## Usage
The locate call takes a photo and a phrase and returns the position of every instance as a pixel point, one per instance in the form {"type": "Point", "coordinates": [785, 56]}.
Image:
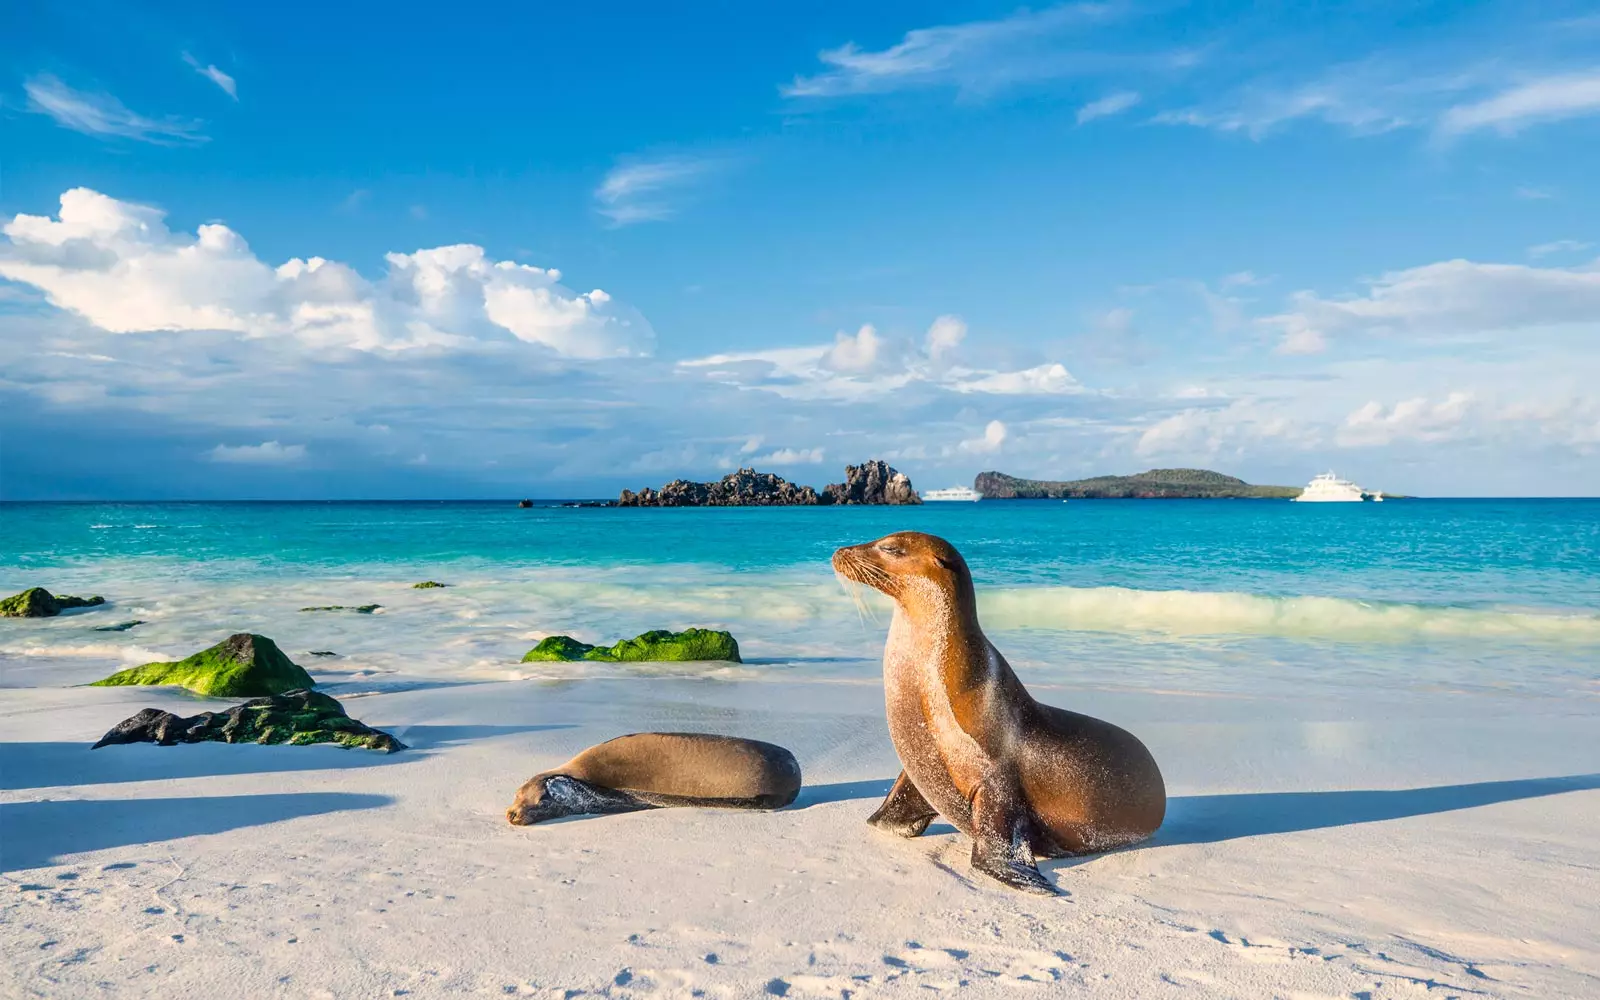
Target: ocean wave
{"type": "Point", "coordinates": [1218, 613]}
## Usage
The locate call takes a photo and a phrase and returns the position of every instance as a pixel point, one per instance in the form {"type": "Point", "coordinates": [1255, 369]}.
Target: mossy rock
{"type": "Point", "coordinates": [658, 645]}
{"type": "Point", "coordinates": [298, 718]}
{"type": "Point", "coordinates": [360, 609]}
{"type": "Point", "coordinates": [242, 665]}
{"type": "Point", "coordinates": [428, 585]}
{"type": "Point", "coordinates": [37, 602]}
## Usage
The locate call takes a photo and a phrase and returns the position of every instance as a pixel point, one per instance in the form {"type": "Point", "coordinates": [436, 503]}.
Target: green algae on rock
{"type": "Point", "coordinates": [360, 609]}
{"type": "Point", "coordinates": [428, 585]}
{"type": "Point", "coordinates": [653, 646]}
{"type": "Point", "coordinates": [37, 602]}
{"type": "Point", "coordinates": [243, 665]}
{"type": "Point", "coordinates": [298, 718]}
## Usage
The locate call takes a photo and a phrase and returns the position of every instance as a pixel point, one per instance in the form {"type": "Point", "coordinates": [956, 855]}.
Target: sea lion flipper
{"type": "Point", "coordinates": [904, 813]}
{"type": "Point", "coordinates": [1001, 843]}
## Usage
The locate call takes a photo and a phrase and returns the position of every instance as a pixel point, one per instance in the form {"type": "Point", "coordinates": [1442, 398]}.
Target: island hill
{"type": "Point", "coordinates": [872, 482]}
{"type": "Point", "coordinates": [1157, 484]}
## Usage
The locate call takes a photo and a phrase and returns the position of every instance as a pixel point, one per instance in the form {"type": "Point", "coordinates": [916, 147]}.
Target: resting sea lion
{"type": "Point", "coordinates": [651, 770]}
{"type": "Point", "coordinates": [1022, 779]}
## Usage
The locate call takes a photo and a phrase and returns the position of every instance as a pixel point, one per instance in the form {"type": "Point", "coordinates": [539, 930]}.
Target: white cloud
{"type": "Point", "coordinates": [265, 453]}
{"type": "Point", "coordinates": [1550, 99]}
{"type": "Point", "coordinates": [790, 456]}
{"type": "Point", "coordinates": [1411, 419]}
{"type": "Point", "coordinates": [1558, 246]}
{"type": "Point", "coordinates": [975, 57]}
{"type": "Point", "coordinates": [1259, 110]}
{"type": "Point", "coordinates": [647, 190]}
{"type": "Point", "coordinates": [117, 265]}
{"type": "Point", "coordinates": [1450, 297]}
{"type": "Point", "coordinates": [215, 75]}
{"type": "Point", "coordinates": [1105, 107]}
{"type": "Point", "coordinates": [994, 437]}
{"type": "Point", "coordinates": [103, 116]}
{"type": "Point", "coordinates": [1527, 193]}
{"type": "Point", "coordinates": [1043, 380]}
{"type": "Point", "coordinates": [945, 335]}
{"type": "Point", "coordinates": [1198, 434]}
{"type": "Point", "coordinates": [856, 353]}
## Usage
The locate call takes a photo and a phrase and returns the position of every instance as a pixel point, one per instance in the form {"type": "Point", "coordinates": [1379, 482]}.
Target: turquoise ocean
{"type": "Point", "coordinates": [1200, 597]}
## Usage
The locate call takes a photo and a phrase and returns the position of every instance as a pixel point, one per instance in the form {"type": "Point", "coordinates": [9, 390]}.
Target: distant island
{"type": "Point", "coordinates": [1157, 484]}
{"type": "Point", "coordinates": [872, 482]}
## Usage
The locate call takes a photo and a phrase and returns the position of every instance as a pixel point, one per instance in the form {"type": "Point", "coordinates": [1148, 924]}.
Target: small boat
{"type": "Point", "coordinates": [953, 493]}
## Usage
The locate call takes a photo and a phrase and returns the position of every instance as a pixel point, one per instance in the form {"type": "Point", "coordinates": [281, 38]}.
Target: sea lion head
{"type": "Point", "coordinates": [908, 565]}
{"type": "Point", "coordinates": [542, 797]}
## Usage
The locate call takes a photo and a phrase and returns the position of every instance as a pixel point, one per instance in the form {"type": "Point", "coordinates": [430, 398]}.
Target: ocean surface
{"type": "Point", "coordinates": [1201, 597]}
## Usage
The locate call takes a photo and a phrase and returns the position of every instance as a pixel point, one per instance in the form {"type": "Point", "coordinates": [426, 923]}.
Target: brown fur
{"type": "Point", "coordinates": [1022, 779]}
{"type": "Point", "coordinates": [650, 770]}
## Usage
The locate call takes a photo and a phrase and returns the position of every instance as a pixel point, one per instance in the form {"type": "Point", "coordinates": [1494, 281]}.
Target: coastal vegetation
{"type": "Point", "coordinates": [656, 645]}
{"type": "Point", "coordinates": [1162, 484]}
{"type": "Point", "coordinates": [242, 665]}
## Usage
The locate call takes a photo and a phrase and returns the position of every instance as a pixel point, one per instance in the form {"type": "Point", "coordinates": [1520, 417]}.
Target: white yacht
{"type": "Point", "coordinates": [1329, 488]}
{"type": "Point", "coordinates": [953, 493]}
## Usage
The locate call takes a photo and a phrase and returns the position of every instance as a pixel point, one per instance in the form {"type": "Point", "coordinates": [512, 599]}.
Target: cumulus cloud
{"type": "Point", "coordinates": [216, 76]}
{"type": "Point", "coordinates": [103, 116]}
{"type": "Point", "coordinates": [1412, 419]}
{"type": "Point", "coordinates": [1105, 107]}
{"type": "Point", "coordinates": [1558, 247]}
{"type": "Point", "coordinates": [865, 363]}
{"type": "Point", "coordinates": [265, 453]}
{"type": "Point", "coordinates": [117, 265]}
{"type": "Point", "coordinates": [790, 456]}
{"type": "Point", "coordinates": [1198, 433]}
{"type": "Point", "coordinates": [1450, 297]}
{"type": "Point", "coordinates": [993, 438]}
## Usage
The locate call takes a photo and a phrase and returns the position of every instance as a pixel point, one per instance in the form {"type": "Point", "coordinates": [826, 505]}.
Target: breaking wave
{"type": "Point", "coordinates": [1201, 613]}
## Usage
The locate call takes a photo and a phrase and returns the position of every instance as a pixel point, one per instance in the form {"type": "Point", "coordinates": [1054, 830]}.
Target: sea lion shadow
{"type": "Point", "coordinates": [1212, 819]}
{"type": "Point", "coordinates": [50, 764]}
{"type": "Point", "coordinates": [36, 834]}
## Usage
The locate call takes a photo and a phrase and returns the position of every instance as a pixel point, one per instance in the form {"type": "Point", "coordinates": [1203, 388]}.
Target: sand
{"type": "Point", "coordinates": [1439, 845]}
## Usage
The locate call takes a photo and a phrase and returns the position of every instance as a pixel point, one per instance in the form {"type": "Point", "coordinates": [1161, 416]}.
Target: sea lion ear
{"type": "Point", "coordinates": [949, 564]}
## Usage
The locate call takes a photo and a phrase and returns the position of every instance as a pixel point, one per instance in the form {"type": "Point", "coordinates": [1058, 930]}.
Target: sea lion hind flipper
{"type": "Point", "coordinates": [1001, 841]}
{"type": "Point", "coordinates": [904, 812]}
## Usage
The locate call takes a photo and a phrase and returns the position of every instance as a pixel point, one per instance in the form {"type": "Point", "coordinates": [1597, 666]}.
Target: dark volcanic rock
{"type": "Point", "coordinates": [745, 488]}
{"type": "Point", "coordinates": [524, 504]}
{"type": "Point", "coordinates": [299, 718]}
{"type": "Point", "coordinates": [873, 482]}
{"type": "Point", "coordinates": [120, 626]}
{"type": "Point", "coordinates": [37, 602]}
{"type": "Point", "coordinates": [870, 483]}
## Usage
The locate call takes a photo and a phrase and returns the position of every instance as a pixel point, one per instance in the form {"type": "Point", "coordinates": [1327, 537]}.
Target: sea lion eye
{"type": "Point", "coordinates": [891, 549]}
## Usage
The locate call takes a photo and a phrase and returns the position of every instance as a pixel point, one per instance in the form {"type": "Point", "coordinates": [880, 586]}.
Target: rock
{"type": "Point", "coordinates": [654, 646]}
{"type": "Point", "coordinates": [298, 717]}
{"type": "Point", "coordinates": [524, 503]}
{"type": "Point", "coordinates": [120, 626]}
{"type": "Point", "coordinates": [872, 483]}
{"type": "Point", "coordinates": [323, 652]}
{"type": "Point", "coordinates": [243, 665]}
{"type": "Point", "coordinates": [37, 602]}
{"type": "Point", "coordinates": [360, 609]}
{"type": "Point", "coordinates": [427, 585]}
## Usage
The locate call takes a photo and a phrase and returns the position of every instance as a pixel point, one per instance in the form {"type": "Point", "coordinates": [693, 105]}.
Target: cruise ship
{"type": "Point", "coordinates": [953, 493]}
{"type": "Point", "coordinates": [1329, 488]}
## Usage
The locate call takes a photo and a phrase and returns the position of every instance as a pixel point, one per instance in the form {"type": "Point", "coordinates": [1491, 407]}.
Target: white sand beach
{"type": "Point", "coordinates": [1430, 844]}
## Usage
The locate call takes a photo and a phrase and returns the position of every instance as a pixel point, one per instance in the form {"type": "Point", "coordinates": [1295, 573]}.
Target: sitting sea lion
{"type": "Point", "coordinates": [651, 770]}
{"type": "Point", "coordinates": [1023, 780]}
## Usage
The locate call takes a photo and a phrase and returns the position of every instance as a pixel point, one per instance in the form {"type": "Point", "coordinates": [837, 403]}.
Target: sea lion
{"type": "Point", "coordinates": [652, 770]}
{"type": "Point", "coordinates": [1023, 780]}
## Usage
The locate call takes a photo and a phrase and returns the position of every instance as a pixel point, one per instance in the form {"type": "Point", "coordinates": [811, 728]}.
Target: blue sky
{"type": "Point", "coordinates": [387, 250]}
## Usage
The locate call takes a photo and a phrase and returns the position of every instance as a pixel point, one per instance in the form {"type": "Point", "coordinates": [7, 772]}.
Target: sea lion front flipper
{"type": "Point", "coordinates": [904, 813]}
{"type": "Point", "coordinates": [1001, 842]}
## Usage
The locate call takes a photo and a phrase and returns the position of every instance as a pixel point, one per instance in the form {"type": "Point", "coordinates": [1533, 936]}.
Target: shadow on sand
{"type": "Point", "coordinates": [35, 834]}
{"type": "Point", "coordinates": [1211, 819]}
{"type": "Point", "coordinates": [45, 765]}
{"type": "Point", "coordinates": [424, 737]}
